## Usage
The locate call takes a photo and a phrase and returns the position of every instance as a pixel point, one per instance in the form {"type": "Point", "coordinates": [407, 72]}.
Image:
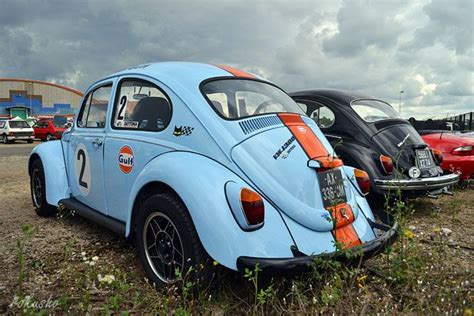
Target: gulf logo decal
{"type": "Point", "coordinates": [125, 159]}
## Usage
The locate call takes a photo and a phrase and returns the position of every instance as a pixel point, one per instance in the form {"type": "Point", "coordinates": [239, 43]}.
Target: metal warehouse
{"type": "Point", "coordinates": [27, 98]}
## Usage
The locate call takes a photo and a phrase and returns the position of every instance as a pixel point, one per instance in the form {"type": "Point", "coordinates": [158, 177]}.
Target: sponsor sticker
{"type": "Point", "coordinates": [125, 159]}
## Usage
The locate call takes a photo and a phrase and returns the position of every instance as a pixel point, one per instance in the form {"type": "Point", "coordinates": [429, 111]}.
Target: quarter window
{"type": "Point", "coordinates": [2, 124]}
{"type": "Point", "coordinates": [323, 116]}
{"type": "Point", "coordinates": [140, 105]}
{"type": "Point", "coordinates": [94, 110]}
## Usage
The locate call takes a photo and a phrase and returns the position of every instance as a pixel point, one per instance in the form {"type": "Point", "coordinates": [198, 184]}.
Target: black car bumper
{"type": "Point", "coordinates": [420, 184]}
{"type": "Point", "coordinates": [302, 263]}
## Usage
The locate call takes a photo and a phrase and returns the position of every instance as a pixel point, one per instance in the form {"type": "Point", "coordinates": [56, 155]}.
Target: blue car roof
{"type": "Point", "coordinates": [175, 74]}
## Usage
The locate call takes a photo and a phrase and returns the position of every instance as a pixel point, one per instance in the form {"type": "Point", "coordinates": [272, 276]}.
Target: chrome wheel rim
{"type": "Point", "coordinates": [48, 137]}
{"type": "Point", "coordinates": [36, 188]}
{"type": "Point", "coordinates": [163, 247]}
{"type": "Point", "coordinates": [5, 139]}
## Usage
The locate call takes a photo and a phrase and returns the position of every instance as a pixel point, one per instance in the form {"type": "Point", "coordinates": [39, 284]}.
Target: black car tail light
{"type": "Point", "coordinates": [438, 155]}
{"type": "Point", "coordinates": [387, 164]}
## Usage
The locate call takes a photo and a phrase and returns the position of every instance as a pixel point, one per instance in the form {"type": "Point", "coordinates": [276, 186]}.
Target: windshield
{"type": "Point", "coordinates": [239, 98]}
{"type": "Point", "coordinates": [18, 124]}
{"type": "Point", "coordinates": [374, 110]}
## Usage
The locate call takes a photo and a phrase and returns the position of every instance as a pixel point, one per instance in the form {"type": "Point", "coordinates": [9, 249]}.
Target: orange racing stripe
{"type": "Point", "coordinates": [342, 215]}
{"type": "Point", "coordinates": [236, 72]}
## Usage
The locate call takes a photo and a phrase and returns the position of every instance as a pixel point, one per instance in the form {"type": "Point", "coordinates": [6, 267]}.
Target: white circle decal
{"type": "Point", "coordinates": [83, 169]}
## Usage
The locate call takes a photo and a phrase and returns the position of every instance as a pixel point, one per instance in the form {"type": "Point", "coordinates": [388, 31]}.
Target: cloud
{"type": "Point", "coordinates": [375, 47]}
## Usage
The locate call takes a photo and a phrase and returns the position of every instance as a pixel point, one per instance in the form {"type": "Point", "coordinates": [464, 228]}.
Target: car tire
{"type": "Point", "coordinates": [167, 240]}
{"type": "Point", "coordinates": [30, 141]}
{"type": "Point", "coordinates": [5, 139]}
{"type": "Point", "coordinates": [49, 137]}
{"type": "Point", "coordinates": [38, 190]}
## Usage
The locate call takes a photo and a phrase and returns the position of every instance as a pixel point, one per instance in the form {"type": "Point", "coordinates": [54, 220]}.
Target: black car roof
{"type": "Point", "coordinates": [340, 96]}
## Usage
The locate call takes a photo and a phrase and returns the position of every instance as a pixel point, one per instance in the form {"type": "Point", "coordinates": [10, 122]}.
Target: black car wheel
{"type": "Point", "coordinates": [168, 244]}
{"type": "Point", "coordinates": [30, 141]}
{"type": "Point", "coordinates": [38, 190]}
{"type": "Point", "coordinates": [49, 137]}
{"type": "Point", "coordinates": [5, 139]}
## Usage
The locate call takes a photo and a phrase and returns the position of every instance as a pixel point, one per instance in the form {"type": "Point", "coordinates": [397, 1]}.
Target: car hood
{"type": "Point", "coordinates": [277, 163]}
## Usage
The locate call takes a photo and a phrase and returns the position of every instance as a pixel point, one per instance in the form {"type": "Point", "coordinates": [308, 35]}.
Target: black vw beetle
{"type": "Point", "coordinates": [369, 134]}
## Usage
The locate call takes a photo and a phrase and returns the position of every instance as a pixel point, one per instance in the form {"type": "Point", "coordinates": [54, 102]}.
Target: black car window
{"type": "Point", "coordinates": [374, 110]}
{"type": "Point", "coordinates": [141, 105]}
{"type": "Point", "coordinates": [94, 110]}
{"type": "Point", "coordinates": [321, 114]}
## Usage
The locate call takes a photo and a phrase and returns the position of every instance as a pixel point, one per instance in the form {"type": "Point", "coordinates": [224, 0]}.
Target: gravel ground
{"type": "Point", "coordinates": [64, 257]}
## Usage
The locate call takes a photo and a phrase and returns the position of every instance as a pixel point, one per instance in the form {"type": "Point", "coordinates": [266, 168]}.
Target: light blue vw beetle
{"type": "Point", "coordinates": [200, 162]}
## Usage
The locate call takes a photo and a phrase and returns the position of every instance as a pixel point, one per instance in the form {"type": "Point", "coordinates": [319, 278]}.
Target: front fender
{"type": "Point", "coordinates": [52, 158]}
{"type": "Point", "coordinates": [200, 183]}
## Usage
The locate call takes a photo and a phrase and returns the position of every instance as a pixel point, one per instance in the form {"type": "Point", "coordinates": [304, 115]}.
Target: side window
{"type": "Point", "coordinates": [321, 114]}
{"type": "Point", "coordinates": [140, 105]}
{"type": "Point", "coordinates": [94, 109]}
{"type": "Point", "coordinates": [2, 124]}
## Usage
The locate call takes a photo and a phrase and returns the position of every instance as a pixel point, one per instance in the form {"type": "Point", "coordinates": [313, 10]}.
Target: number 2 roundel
{"type": "Point", "coordinates": [83, 169]}
{"type": "Point", "coordinates": [125, 159]}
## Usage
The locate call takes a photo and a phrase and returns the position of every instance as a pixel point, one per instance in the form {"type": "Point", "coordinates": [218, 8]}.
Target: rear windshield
{"type": "Point", "coordinates": [374, 110]}
{"type": "Point", "coordinates": [18, 124]}
{"type": "Point", "coordinates": [239, 98]}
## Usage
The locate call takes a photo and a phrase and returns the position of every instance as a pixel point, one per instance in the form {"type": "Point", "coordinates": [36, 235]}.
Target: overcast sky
{"type": "Point", "coordinates": [377, 47]}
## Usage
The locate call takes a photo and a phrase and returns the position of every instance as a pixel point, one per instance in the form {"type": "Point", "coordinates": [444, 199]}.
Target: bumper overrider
{"type": "Point", "coordinates": [302, 262]}
{"type": "Point", "coordinates": [428, 184]}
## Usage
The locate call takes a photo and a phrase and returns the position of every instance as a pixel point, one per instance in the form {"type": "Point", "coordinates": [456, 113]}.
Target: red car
{"type": "Point", "coordinates": [49, 129]}
{"type": "Point", "coordinates": [457, 150]}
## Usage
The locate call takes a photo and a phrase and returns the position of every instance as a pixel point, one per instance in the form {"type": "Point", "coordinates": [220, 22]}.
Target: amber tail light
{"type": "Point", "coordinates": [438, 155]}
{"type": "Point", "coordinates": [463, 151]}
{"type": "Point", "coordinates": [252, 205]}
{"type": "Point", "coordinates": [363, 181]}
{"type": "Point", "coordinates": [387, 164]}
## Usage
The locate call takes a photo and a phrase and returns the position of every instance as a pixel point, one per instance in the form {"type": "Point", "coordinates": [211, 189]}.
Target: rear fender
{"type": "Point", "coordinates": [52, 158]}
{"type": "Point", "coordinates": [200, 183]}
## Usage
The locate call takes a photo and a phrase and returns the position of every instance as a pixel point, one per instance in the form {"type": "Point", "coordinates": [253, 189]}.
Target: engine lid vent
{"type": "Point", "coordinates": [257, 123]}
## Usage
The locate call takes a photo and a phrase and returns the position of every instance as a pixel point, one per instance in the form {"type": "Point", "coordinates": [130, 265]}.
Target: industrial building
{"type": "Point", "coordinates": [34, 98]}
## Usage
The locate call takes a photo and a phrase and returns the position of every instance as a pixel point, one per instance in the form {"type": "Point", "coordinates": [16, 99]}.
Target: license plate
{"type": "Point", "coordinates": [332, 187]}
{"type": "Point", "coordinates": [424, 159]}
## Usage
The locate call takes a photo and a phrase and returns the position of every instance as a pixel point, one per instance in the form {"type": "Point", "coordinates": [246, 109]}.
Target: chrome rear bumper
{"type": "Point", "coordinates": [427, 184]}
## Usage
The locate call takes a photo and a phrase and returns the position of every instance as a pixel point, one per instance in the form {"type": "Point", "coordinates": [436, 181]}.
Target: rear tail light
{"type": "Point", "coordinates": [438, 155]}
{"type": "Point", "coordinates": [363, 181]}
{"type": "Point", "coordinates": [463, 151]}
{"type": "Point", "coordinates": [387, 164]}
{"type": "Point", "coordinates": [252, 205]}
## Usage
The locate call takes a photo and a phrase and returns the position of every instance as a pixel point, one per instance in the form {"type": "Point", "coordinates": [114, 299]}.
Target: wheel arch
{"type": "Point", "coordinates": [52, 159]}
{"type": "Point", "coordinates": [149, 189]}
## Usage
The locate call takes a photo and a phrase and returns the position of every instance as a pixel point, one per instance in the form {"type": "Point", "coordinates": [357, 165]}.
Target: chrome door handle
{"type": "Point", "coordinates": [97, 142]}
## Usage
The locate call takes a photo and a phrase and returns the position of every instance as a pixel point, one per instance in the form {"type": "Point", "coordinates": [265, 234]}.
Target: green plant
{"type": "Point", "coordinates": [261, 296]}
{"type": "Point", "coordinates": [27, 231]}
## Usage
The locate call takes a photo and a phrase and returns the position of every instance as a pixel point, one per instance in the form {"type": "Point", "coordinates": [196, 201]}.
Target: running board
{"type": "Point", "coordinates": [85, 211]}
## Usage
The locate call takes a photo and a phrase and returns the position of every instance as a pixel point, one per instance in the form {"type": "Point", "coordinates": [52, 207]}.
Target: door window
{"type": "Point", "coordinates": [94, 110]}
{"type": "Point", "coordinates": [140, 105]}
